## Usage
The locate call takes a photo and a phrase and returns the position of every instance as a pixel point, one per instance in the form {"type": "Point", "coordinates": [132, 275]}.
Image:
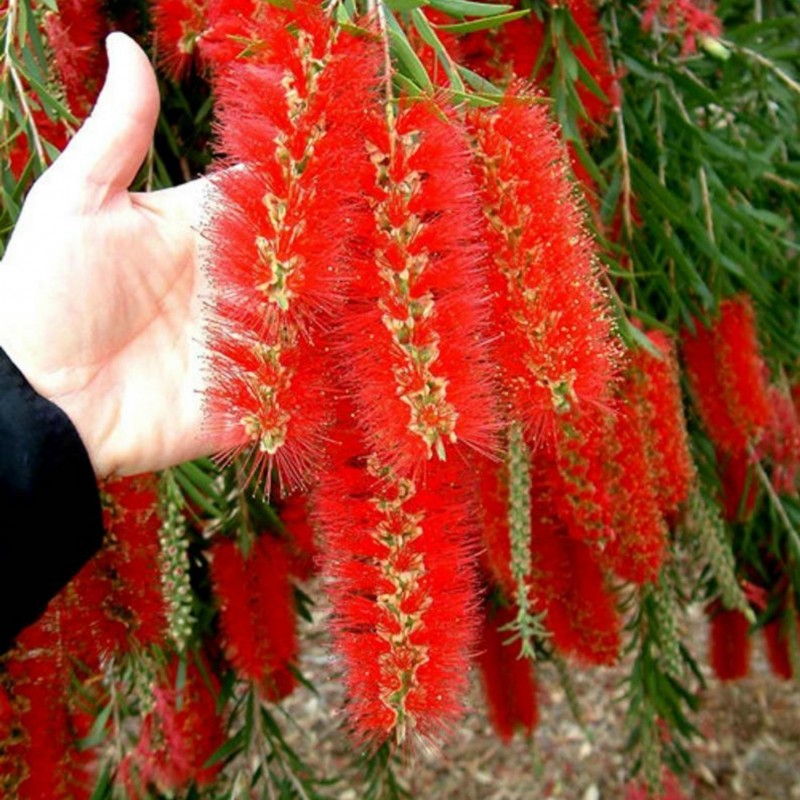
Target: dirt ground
{"type": "Point", "coordinates": [751, 749]}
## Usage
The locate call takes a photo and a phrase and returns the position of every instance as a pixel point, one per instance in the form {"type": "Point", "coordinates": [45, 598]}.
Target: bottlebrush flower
{"type": "Point", "coordinates": [579, 473]}
{"type": "Point", "coordinates": [554, 335]}
{"type": "Point", "coordinates": [730, 644]}
{"type": "Point", "coordinates": [229, 26]}
{"type": "Point", "coordinates": [132, 551]}
{"type": "Point", "coordinates": [683, 19]}
{"type": "Point", "coordinates": [566, 580]}
{"type": "Point", "coordinates": [777, 641]}
{"type": "Point", "coordinates": [781, 441]}
{"type": "Point", "coordinates": [40, 759]}
{"type": "Point", "coordinates": [279, 237]}
{"type": "Point", "coordinates": [412, 338]}
{"type": "Point", "coordinates": [177, 737]}
{"type": "Point", "coordinates": [728, 376]}
{"type": "Point", "coordinates": [400, 575]}
{"type": "Point", "coordinates": [301, 542]}
{"type": "Point", "coordinates": [637, 550]}
{"type": "Point", "coordinates": [177, 25]}
{"type": "Point", "coordinates": [257, 617]}
{"type": "Point", "coordinates": [508, 679]}
{"type": "Point", "coordinates": [75, 34]}
{"type": "Point", "coordinates": [739, 485]}
{"type": "Point", "coordinates": [656, 390]}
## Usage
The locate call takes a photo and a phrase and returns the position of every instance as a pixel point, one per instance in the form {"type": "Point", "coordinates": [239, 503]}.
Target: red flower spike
{"type": "Point", "coordinates": [671, 789]}
{"type": "Point", "coordinates": [301, 543]}
{"type": "Point", "coordinates": [177, 25]}
{"type": "Point", "coordinates": [400, 574]}
{"type": "Point", "coordinates": [579, 480]}
{"type": "Point", "coordinates": [75, 33]}
{"type": "Point", "coordinates": [683, 19]}
{"type": "Point", "coordinates": [508, 679]}
{"type": "Point", "coordinates": [777, 641]}
{"type": "Point", "coordinates": [495, 539]}
{"type": "Point", "coordinates": [781, 441]}
{"type": "Point", "coordinates": [41, 761]}
{"type": "Point", "coordinates": [730, 645]}
{"type": "Point", "coordinates": [728, 376]}
{"type": "Point", "coordinates": [257, 617]}
{"type": "Point", "coordinates": [638, 547]}
{"type": "Point", "coordinates": [554, 332]}
{"type": "Point", "coordinates": [656, 387]}
{"type": "Point", "coordinates": [229, 24]}
{"type": "Point", "coordinates": [279, 257]}
{"type": "Point", "coordinates": [413, 349]}
{"type": "Point", "coordinates": [739, 486]}
{"type": "Point", "coordinates": [177, 737]}
{"type": "Point", "coordinates": [132, 523]}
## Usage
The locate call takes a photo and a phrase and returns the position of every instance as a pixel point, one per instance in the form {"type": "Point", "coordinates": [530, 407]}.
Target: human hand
{"type": "Point", "coordinates": [101, 290]}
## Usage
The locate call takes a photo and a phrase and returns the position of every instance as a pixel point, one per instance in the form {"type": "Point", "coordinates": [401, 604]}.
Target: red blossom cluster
{"type": "Point", "coordinates": [257, 617]}
{"type": "Point", "coordinates": [75, 34]}
{"type": "Point", "coordinates": [684, 19]}
{"type": "Point", "coordinates": [730, 644]}
{"type": "Point", "coordinates": [178, 736]}
{"type": "Point", "coordinates": [729, 383]}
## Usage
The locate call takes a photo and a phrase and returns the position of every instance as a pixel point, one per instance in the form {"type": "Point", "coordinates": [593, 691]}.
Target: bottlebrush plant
{"type": "Point", "coordinates": [502, 323]}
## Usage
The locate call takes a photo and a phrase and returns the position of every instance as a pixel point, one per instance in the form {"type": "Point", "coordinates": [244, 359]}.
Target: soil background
{"type": "Point", "coordinates": [751, 727]}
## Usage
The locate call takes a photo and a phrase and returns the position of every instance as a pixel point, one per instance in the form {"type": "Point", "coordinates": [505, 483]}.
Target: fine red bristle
{"type": "Point", "coordinates": [177, 26]}
{"type": "Point", "coordinates": [75, 34]}
{"type": "Point", "coordinates": [257, 617]}
{"type": "Point", "coordinates": [412, 348]}
{"type": "Point", "coordinates": [132, 555]}
{"type": "Point", "coordinates": [554, 338]}
{"type": "Point", "coordinates": [508, 679]}
{"type": "Point", "coordinates": [657, 390]}
{"type": "Point", "coordinates": [178, 736]}
{"type": "Point", "coordinates": [730, 644]}
{"type": "Point", "coordinates": [637, 549]}
{"type": "Point", "coordinates": [683, 19]}
{"type": "Point", "coordinates": [777, 641]}
{"type": "Point", "coordinates": [728, 377]}
{"type": "Point", "coordinates": [279, 260]}
{"type": "Point", "coordinates": [400, 574]}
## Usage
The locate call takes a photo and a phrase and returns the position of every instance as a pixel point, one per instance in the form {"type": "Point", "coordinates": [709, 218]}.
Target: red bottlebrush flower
{"type": "Point", "coordinates": [637, 549]}
{"type": "Point", "coordinates": [728, 376]}
{"type": "Point", "coordinates": [554, 331]}
{"type": "Point", "coordinates": [578, 474]}
{"type": "Point", "coordinates": [301, 544]}
{"type": "Point", "coordinates": [41, 760]}
{"type": "Point", "coordinates": [177, 737]}
{"type": "Point", "coordinates": [781, 441]}
{"type": "Point", "coordinates": [496, 551]}
{"type": "Point", "coordinates": [399, 563]}
{"type": "Point", "coordinates": [730, 644]}
{"type": "Point", "coordinates": [177, 26]}
{"type": "Point", "coordinates": [657, 392]}
{"type": "Point", "coordinates": [229, 24]}
{"type": "Point", "coordinates": [683, 19]}
{"type": "Point", "coordinates": [508, 679]}
{"type": "Point", "coordinates": [412, 348]}
{"type": "Point", "coordinates": [279, 258]}
{"type": "Point", "coordinates": [75, 33]}
{"type": "Point", "coordinates": [739, 486]}
{"type": "Point", "coordinates": [132, 553]}
{"type": "Point", "coordinates": [670, 789]}
{"type": "Point", "coordinates": [257, 617]}
{"type": "Point", "coordinates": [778, 649]}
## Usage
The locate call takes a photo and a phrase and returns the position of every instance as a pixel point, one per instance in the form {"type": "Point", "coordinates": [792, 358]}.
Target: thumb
{"type": "Point", "coordinates": [106, 153]}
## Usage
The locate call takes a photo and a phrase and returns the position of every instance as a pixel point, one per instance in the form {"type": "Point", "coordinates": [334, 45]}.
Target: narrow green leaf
{"type": "Point", "coordinates": [429, 36]}
{"type": "Point", "coordinates": [482, 24]}
{"type": "Point", "coordinates": [405, 54]}
{"type": "Point", "coordinates": [467, 8]}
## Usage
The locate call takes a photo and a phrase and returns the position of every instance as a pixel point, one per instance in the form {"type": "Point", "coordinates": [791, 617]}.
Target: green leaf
{"type": "Point", "coordinates": [482, 24]}
{"type": "Point", "coordinates": [429, 37]}
{"type": "Point", "coordinates": [467, 8]}
{"type": "Point", "coordinates": [405, 5]}
{"type": "Point", "coordinates": [405, 54]}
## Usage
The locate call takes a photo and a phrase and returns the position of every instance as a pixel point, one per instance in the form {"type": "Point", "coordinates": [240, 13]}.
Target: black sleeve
{"type": "Point", "coordinates": [50, 515]}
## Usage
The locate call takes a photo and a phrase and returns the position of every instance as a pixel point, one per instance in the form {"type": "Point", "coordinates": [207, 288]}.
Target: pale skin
{"type": "Point", "coordinates": [102, 294]}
